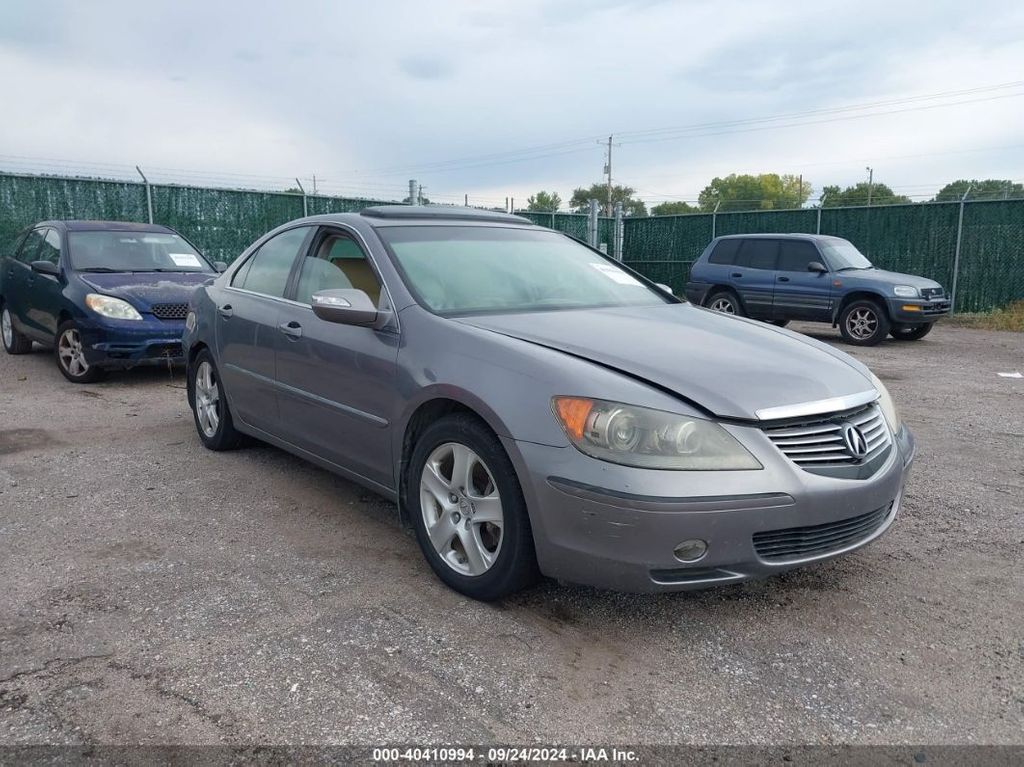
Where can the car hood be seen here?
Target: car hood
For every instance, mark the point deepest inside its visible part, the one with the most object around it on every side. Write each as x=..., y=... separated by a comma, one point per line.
x=143, y=289
x=888, y=278
x=729, y=366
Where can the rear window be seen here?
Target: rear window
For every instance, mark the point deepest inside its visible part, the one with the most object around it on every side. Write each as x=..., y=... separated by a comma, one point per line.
x=758, y=253
x=724, y=252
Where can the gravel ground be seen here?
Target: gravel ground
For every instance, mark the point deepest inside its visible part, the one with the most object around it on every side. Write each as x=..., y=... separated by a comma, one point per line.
x=155, y=592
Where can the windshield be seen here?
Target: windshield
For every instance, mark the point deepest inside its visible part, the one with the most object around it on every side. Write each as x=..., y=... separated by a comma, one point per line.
x=462, y=269
x=843, y=255
x=113, y=251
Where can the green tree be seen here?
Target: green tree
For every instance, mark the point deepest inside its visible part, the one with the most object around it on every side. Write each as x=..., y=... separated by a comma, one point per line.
x=672, y=208
x=544, y=201
x=631, y=206
x=858, y=195
x=766, y=191
x=988, y=189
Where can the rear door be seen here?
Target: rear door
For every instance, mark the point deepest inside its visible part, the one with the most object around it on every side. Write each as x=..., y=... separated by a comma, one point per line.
x=247, y=320
x=799, y=292
x=753, y=275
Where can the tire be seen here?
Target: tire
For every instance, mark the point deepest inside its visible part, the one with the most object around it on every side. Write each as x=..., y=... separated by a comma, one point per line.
x=780, y=323
x=14, y=342
x=209, y=405
x=863, y=323
x=726, y=302
x=911, y=332
x=70, y=357
x=485, y=559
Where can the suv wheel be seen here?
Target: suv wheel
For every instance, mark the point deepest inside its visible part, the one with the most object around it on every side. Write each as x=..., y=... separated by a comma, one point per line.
x=70, y=353
x=210, y=406
x=14, y=342
x=468, y=510
x=725, y=302
x=863, y=323
x=911, y=332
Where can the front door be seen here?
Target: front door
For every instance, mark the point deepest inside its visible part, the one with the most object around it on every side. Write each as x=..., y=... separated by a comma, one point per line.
x=337, y=382
x=17, y=282
x=44, y=290
x=801, y=294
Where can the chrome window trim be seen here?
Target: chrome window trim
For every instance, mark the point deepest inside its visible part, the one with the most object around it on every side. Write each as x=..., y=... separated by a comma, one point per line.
x=816, y=407
x=243, y=291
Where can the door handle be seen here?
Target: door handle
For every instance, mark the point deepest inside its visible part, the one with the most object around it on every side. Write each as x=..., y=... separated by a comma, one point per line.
x=225, y=311
x=783, y=279
x=737, y=274
x=291, y=329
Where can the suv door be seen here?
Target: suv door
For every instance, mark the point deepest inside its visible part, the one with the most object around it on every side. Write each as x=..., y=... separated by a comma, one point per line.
x=753, y=275
x=246, y=327
x=44, y=292
x=338, y=382
x=799, y=292
x=16, y=282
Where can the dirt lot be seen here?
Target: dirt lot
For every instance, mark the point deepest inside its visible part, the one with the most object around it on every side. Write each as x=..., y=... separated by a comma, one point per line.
x=154, y=592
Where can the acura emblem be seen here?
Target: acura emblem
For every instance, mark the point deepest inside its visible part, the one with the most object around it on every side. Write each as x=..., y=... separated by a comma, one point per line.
x=853, y=438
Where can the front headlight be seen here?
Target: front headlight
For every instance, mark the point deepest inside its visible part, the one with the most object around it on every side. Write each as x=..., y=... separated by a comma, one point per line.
x=114, y=308
x=649, y=439
x=885, y=402
x=906, y=291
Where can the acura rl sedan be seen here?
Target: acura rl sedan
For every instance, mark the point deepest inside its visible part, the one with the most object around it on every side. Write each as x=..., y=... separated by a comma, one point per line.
x=534, y=407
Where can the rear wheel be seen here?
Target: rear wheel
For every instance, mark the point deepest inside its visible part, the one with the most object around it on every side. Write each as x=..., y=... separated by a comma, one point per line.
x=863, y=323
x=468, y=510
x=14, y=342
x=725, y=302
x=911, y=332
x=210, y=406
x=70, y=353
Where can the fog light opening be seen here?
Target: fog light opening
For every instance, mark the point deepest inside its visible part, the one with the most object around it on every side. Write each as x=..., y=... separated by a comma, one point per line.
x=692, y=550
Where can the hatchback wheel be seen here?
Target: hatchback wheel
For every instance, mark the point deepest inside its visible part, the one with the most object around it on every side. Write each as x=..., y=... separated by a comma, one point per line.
x=468, y=510
x=725, y=302
x=911, y=332
x=71, y=356
x=14, y=342
x=210, y=406
x=863, y=323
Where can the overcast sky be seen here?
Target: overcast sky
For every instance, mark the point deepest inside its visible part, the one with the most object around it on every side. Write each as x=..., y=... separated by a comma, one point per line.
x=368, y=95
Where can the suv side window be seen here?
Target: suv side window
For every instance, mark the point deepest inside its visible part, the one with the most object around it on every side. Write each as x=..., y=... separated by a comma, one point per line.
x=49, y=249
x=795, y=255
x=758, y=253
x=267, y=270
x=30, y=246
x=338, y=263
x=725, y=252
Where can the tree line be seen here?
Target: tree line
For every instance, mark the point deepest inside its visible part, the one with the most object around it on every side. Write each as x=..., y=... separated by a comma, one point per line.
x=769, y=191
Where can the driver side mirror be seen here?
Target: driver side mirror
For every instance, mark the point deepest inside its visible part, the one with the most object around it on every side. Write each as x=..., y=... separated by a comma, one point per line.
x=664, y=287
x=347, y=306
x=46, y=267
x=220, y=266
x=817, y=266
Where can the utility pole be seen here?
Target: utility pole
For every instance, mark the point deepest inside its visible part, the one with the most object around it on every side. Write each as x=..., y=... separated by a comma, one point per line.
x=800, y=197
x=314, y=185
x=871, y=181
x=608, y=170
x=466, y=200
x=419, y=194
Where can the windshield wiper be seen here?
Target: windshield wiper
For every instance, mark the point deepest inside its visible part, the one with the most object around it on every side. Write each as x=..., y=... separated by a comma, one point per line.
x=101, y=269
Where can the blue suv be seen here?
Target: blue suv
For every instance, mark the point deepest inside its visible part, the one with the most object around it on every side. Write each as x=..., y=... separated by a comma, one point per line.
x=103, y=294
x=783, y=277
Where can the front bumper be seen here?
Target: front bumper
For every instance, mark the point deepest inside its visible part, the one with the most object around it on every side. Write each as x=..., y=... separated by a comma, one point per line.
x=123, y=343
x=914, y=311
x=616, y=527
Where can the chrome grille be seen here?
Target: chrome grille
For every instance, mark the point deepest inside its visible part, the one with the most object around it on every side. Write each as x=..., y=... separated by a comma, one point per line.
x=817, y=441
x=169, y=311
x=818, y=540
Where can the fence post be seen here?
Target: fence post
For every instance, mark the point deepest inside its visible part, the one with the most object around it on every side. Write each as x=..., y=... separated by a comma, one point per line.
x=821, y=204
x=552, y=218
x=617, y=235
x=149, y=193
x=592, y=224
x=714, y=220
x=305, y=206
x=956, y=253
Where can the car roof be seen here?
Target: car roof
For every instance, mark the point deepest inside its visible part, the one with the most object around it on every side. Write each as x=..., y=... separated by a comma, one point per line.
x=778, y=236
x=106, y=226
x=381, y=214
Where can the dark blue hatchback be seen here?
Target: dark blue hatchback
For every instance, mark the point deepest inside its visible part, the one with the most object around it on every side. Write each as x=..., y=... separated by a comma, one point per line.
x=103, y=294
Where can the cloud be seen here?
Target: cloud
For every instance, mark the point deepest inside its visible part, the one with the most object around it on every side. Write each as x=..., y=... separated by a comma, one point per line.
x=426, y=67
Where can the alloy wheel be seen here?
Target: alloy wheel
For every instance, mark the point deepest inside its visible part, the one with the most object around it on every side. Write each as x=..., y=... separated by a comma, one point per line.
x=70, y=353
x=862, y=323
x=207, y=396
x=723, y=305
x=461, y=508
x=7, y=328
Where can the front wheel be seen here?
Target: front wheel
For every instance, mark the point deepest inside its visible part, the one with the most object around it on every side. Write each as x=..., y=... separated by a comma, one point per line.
x=911, y=332
x=14, y=342
x=70, y=352
x=468, y=510
x=863, y=323
x=725, y=302
x=210, y=406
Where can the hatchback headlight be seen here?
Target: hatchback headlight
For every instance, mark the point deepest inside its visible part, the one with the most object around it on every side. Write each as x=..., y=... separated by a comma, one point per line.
x=888, y=406
x=649, y=439
x=906, y=291
x=114, y=308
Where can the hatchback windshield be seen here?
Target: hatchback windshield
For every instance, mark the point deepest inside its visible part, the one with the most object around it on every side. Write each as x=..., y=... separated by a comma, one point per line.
x=460, y=269
x=843, y=255
x=113, y=251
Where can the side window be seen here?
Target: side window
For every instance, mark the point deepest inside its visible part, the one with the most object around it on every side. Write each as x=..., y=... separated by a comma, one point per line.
x=30, y=246
x=338, y=263
x=725, y=252
x=49, y=249
x=758, y=253
x=795, y=255
x=267, y=270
